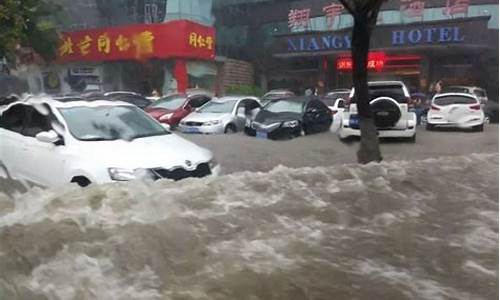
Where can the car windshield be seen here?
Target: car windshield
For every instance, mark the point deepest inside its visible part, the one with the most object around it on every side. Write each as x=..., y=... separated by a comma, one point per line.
x=285, y=106
x=170, y=102
x=107, y=123
x=448, y=100
x=218, y=107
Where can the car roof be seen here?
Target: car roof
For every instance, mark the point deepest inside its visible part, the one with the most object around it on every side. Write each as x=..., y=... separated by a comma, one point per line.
x=298, y=99
x=394, y=82
x=235, y=98
x=56, y=103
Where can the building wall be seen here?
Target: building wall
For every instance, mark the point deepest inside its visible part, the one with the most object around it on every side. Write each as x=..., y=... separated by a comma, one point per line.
x=236, y=72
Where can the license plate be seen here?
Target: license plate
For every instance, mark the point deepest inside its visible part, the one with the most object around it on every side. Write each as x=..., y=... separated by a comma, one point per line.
x=354, y=121
x=261, y=135
x=192, y=130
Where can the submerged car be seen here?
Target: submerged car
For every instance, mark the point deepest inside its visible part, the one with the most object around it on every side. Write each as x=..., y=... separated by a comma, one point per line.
x=86, y=142
x=221, y=115
x=276, y=94
x=336, y=105
x=459, y=110
x=389, y=103
x=173, y=108
x=288, y=118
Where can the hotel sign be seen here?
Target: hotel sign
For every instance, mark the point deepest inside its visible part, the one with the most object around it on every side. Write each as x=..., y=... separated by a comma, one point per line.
x=472, y=31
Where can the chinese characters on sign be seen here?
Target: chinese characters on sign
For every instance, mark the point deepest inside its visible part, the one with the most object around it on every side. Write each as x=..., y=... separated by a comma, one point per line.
x=454, y=7
x=412, y=8
x=299, y=18
x=374, y=63
x=143, y=43
x=331, y=12
x=200, y=41
x=174, y=39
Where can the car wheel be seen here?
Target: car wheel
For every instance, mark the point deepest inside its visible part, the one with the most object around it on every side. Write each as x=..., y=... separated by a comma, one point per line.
x=429, y=126
x=230, y=129
x=81, y=181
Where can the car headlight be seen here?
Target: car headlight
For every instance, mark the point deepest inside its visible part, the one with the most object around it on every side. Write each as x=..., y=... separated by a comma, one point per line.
x=214, y=122
x=291, y=124
x=166, y=117
x=119, y=174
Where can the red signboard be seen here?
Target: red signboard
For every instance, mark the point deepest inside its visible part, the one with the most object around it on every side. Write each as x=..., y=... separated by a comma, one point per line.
x=376, y=61
x=175, y=39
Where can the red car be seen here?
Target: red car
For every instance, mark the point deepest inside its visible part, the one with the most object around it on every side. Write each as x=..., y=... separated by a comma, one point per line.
x=173, y=108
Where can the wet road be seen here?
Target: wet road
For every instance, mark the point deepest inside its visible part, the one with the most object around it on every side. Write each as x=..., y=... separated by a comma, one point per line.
x=242, y=153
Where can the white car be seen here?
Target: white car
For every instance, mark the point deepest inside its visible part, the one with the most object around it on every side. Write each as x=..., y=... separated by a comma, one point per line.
x=51, y=143
x=389, y=104
x=459, y=110
x=221, y=115
x=336, y=106
x=480, y=93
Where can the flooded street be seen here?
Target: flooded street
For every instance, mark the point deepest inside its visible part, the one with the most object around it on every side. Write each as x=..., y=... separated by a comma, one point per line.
x=425, y=229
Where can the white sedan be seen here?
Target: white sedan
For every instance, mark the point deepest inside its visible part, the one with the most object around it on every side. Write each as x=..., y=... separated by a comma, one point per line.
x=336, y=106
x=455, y=110
x=51, y=143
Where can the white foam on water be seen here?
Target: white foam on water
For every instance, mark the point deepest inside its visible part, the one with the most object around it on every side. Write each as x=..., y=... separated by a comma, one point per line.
x=79, y=276
x=191, y=238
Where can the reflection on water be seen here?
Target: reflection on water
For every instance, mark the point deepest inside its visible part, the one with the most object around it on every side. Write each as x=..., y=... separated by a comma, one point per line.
x=399, y=230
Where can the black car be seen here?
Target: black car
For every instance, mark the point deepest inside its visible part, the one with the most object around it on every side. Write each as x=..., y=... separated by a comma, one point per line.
x=288, y=118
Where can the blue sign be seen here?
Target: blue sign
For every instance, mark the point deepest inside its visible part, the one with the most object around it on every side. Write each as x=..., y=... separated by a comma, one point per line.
x=321, y=43
x=427, y=36
x=400, y=37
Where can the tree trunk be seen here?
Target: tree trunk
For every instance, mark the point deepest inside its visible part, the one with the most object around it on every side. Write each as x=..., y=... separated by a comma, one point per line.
x=369, y=147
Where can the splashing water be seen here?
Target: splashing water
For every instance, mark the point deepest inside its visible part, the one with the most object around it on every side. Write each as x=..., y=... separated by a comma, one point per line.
x=398, y=230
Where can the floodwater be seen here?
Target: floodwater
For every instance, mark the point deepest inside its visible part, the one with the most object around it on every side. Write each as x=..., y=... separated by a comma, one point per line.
x=423, y=229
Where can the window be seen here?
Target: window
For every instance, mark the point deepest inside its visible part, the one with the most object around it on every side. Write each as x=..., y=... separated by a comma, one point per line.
x=37, y=123
x=480, y=93
x=13, y=119
x=198, y=101
x=448, y=100
x=341, y=104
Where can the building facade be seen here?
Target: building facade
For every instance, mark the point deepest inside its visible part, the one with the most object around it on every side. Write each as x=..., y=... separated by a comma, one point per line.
x=294, y=44
x=140, y=45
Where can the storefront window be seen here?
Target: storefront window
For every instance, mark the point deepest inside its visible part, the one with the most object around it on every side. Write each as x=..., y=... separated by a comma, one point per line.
x=195, y=10
x=202, y=74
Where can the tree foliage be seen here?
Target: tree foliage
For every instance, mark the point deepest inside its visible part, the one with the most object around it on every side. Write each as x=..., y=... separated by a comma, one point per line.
x=28, y=23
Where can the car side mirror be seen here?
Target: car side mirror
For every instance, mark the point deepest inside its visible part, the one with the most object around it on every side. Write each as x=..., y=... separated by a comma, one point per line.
x=49, y=137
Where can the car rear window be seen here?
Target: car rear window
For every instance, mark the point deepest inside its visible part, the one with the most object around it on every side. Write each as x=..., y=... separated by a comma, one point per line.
x=392, y=91
x=448, y=100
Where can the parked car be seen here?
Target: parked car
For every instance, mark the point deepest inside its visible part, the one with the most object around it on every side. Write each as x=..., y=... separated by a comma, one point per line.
x=173, y=108
x=52, y=143
x=339, y=93
x=128, y=97
x=276, y=94
x=288, y=118
x=389, y=103
x=221, y=115
x=473, y=90
x=336, y=106
x=490, y=112
x=459, y=110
